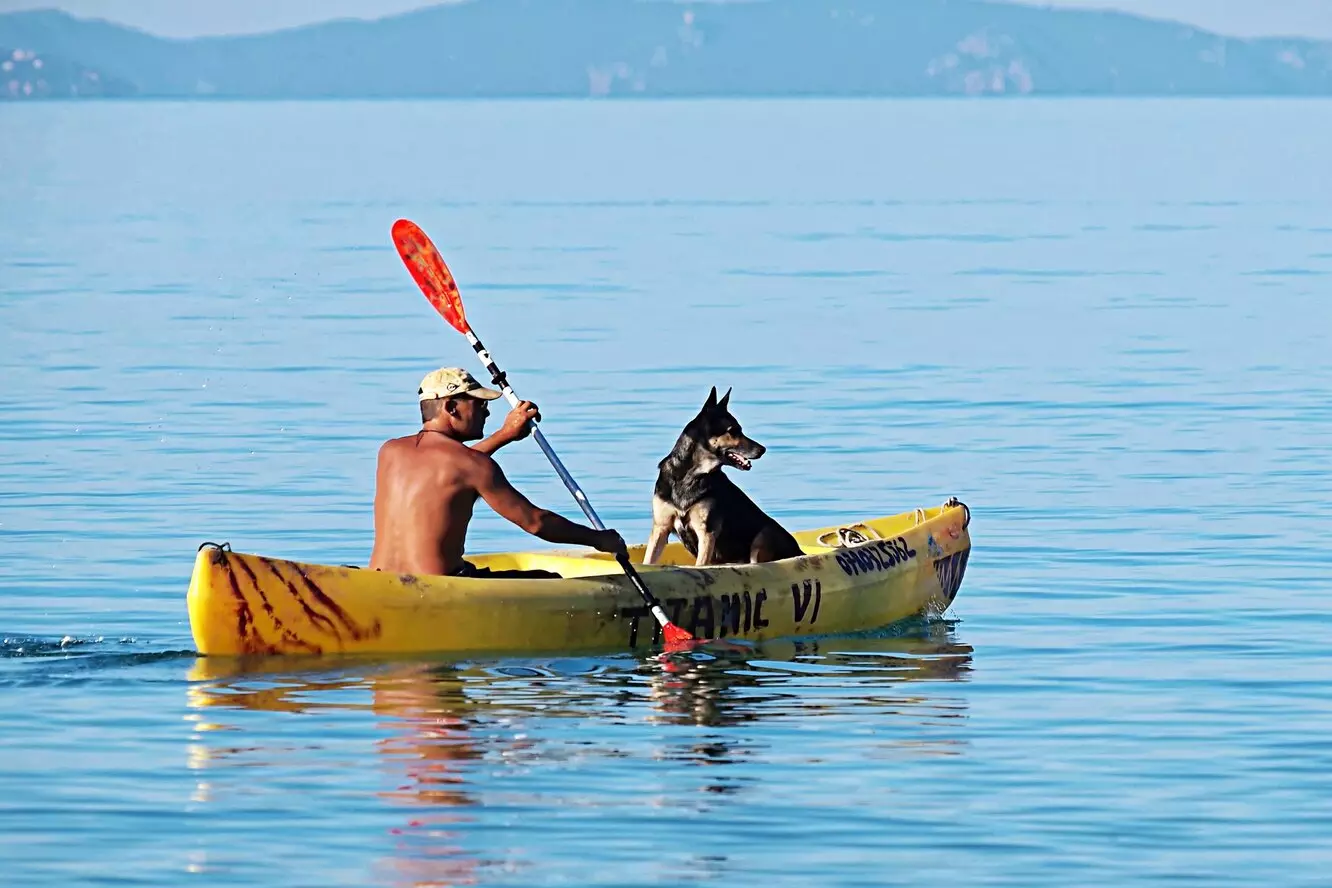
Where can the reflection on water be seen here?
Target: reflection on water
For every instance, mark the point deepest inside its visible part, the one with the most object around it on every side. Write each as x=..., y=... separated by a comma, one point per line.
x=454, y=740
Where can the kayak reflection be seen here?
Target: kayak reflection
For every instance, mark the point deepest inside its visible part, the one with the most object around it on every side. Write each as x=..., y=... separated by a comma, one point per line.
x=713, y=687
x=454, y=740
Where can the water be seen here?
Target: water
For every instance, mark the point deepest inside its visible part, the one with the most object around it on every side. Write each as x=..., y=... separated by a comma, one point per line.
x=1101, y=324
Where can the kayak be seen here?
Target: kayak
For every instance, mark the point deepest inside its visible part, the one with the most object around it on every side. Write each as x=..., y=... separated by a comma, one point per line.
x=851, y=578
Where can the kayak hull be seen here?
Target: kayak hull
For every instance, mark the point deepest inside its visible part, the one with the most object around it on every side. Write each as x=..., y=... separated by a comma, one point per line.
x=247, y=604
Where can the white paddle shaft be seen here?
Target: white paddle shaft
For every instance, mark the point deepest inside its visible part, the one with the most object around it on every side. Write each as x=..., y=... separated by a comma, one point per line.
x=509, y=395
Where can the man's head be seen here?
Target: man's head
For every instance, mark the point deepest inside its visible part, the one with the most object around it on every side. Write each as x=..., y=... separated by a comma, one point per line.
x=720, y=435
x=453, y=401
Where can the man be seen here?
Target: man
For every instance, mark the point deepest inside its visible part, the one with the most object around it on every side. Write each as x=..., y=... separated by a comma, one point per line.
x=427, y=483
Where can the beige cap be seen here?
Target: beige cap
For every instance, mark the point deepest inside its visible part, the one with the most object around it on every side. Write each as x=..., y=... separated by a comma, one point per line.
x=450, y=382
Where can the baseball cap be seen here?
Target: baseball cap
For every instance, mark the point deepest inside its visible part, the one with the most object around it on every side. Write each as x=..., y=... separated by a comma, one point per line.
x=450, y=382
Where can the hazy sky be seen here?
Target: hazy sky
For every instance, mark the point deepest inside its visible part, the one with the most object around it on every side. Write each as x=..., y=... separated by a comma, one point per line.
x=187, y=18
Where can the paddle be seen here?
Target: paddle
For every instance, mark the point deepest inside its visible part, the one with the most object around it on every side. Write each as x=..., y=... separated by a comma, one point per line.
x=436, y=282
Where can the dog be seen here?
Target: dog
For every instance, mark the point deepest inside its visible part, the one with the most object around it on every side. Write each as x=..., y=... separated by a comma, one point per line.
x=714, y=519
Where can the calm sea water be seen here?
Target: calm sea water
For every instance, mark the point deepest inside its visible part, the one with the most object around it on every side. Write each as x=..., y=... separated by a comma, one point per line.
x=1104, y=325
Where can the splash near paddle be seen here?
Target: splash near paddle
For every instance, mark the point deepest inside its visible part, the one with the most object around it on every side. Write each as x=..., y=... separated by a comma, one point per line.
x=427, y=268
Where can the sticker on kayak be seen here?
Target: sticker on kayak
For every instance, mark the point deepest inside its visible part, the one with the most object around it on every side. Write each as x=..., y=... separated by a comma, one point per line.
x=876, y=556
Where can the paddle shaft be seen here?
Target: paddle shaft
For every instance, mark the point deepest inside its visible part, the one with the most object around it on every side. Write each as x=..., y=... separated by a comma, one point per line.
x=498, y=377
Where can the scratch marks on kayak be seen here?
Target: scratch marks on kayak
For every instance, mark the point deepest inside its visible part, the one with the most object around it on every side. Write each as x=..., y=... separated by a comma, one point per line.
x=342, y=616
x=704, y=578
x=289, y=637
x=251, y=641
x=323, y=620
x=244, y=618
x=328, y=618
x=315, y=618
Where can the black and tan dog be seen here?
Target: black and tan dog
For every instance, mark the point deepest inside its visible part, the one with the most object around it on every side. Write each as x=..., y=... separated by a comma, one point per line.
x=714, y=519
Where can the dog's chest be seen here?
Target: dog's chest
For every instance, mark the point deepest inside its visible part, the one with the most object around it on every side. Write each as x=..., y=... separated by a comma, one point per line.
x=685, y=493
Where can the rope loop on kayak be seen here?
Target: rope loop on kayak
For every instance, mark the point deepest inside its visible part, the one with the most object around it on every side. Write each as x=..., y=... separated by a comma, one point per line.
x=953, y=503
x=853, y=535
x=224, y=547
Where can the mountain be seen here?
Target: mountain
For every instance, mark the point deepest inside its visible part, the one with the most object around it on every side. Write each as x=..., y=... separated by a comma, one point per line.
x=26, y=74
x=503, y=48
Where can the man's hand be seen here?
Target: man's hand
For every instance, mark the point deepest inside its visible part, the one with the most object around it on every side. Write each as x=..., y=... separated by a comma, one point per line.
x=518, y=424
x=610, y=541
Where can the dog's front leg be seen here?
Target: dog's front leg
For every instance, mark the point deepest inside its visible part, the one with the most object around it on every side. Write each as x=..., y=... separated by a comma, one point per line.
x=663, y=520
x=707, y=537
x=707, y=548
x=656, y=543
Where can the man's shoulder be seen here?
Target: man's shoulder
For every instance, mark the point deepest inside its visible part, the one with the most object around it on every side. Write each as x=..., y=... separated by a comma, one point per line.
x=416, y=446
x=395, y=444
x=432, y=446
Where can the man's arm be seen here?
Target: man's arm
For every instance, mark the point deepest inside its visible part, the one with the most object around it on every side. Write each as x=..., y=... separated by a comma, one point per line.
x=501, y=496
x=517, y=425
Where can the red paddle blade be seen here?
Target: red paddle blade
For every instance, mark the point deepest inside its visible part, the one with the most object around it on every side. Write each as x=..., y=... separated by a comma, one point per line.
x=677, y=638
x=430, y=273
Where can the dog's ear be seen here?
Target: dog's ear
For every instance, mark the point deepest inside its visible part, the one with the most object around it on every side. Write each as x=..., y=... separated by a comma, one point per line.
x=711, y=402
x=726, y=399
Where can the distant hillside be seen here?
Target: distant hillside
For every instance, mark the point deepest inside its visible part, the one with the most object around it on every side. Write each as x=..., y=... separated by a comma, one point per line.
x=27, y=74
x=494, y=48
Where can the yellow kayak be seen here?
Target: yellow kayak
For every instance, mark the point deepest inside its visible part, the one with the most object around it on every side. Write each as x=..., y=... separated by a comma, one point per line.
x=851, y=578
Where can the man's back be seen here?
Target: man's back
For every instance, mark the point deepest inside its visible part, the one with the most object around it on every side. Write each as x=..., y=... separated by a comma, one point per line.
x=424, y=494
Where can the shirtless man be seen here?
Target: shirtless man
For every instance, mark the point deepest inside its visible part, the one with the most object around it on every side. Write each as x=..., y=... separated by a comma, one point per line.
x=427, y=483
